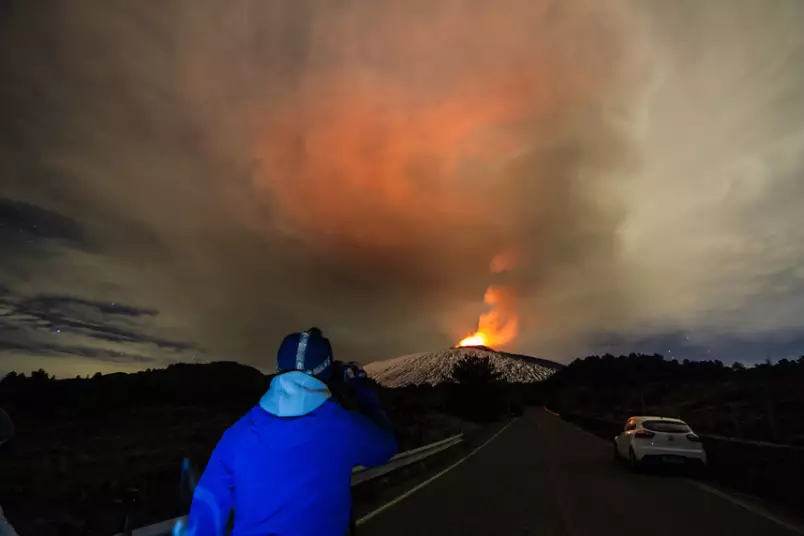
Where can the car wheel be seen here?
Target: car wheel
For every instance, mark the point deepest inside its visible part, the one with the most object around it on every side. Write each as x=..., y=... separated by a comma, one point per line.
x=633, y=462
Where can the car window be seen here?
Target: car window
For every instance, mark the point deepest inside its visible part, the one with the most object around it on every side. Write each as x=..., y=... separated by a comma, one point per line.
x=668, y=427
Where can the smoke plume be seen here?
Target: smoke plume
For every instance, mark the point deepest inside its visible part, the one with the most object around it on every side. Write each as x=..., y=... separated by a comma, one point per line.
x=250, y=168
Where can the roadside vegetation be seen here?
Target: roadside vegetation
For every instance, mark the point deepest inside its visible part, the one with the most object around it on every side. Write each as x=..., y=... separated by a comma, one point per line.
x=748, y=417
x=764, y=402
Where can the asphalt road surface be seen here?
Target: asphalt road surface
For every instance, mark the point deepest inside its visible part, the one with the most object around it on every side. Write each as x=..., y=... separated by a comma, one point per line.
x=544, y=476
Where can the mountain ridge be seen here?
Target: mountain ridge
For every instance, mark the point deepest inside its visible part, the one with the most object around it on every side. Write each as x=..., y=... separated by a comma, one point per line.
x=436, y=367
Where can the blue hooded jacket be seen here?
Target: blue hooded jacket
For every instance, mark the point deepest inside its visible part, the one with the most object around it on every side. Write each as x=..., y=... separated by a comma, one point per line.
x=285, y=467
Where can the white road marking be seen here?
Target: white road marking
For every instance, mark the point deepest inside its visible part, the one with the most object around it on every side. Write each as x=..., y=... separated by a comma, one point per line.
x=432, y=478
x=553, y=413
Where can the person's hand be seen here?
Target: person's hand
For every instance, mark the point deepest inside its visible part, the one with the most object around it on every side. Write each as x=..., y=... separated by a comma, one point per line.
x=352, y=371
x=356, y=381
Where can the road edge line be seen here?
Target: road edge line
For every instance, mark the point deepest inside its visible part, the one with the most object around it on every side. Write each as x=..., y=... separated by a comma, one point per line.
x=551, y=412
x=416, y=488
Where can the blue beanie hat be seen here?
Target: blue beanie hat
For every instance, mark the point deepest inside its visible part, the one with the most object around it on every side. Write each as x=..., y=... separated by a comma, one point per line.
x=309, y=352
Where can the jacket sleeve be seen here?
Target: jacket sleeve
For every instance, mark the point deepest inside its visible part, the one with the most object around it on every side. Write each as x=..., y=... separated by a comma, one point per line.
x=213, y=497
x=371, y=433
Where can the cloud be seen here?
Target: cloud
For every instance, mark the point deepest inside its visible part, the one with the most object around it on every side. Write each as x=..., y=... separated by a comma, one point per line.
x=52, y=306
x=713, y=239
x=68, y=326
x=97, y=354
x=25, y=223
x=358, y=165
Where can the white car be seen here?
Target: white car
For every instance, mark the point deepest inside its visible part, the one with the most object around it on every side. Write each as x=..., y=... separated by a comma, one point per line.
x=658, y=440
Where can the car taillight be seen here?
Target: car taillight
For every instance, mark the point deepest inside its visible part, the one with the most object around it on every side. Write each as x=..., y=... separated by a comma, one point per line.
x=694, y=438
x=644, y=434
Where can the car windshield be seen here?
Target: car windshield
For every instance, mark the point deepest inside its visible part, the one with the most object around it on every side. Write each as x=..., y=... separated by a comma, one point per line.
x=668, y=427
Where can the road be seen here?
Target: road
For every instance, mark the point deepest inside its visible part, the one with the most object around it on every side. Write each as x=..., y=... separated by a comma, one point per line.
x=544, y=476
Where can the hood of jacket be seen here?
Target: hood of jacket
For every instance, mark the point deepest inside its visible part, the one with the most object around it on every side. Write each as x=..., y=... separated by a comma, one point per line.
x=293, y=394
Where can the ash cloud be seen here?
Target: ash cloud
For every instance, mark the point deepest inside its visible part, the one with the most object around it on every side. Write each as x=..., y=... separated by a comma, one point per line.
x=252, y=168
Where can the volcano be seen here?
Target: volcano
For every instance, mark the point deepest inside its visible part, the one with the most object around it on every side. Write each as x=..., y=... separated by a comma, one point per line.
x=436, y=367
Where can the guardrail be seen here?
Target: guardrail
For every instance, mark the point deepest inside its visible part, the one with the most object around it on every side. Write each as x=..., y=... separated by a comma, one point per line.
x=612, y=428
x=363, y=474
x=359, y=475
x=752, y=442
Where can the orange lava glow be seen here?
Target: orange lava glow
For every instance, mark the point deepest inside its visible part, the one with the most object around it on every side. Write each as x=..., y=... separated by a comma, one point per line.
x=500, y=325
x=478, y=339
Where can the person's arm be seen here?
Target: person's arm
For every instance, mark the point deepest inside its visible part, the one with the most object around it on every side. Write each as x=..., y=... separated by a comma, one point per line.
x=369, y=404
x=372, y=434
x=213, y=497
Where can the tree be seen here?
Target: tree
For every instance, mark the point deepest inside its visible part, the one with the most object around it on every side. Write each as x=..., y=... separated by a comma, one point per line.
x=476, y=393
x=11, y=377
x=472, y=370
x=40, y=375
x=6, y=427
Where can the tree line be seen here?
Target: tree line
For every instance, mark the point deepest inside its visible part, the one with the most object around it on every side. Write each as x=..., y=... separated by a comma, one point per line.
x=761, y=402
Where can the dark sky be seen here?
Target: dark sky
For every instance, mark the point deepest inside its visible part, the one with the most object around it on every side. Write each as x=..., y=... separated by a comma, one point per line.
x=188, y=180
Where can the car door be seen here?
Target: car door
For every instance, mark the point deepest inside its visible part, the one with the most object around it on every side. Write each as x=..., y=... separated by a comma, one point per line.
x=624, y=439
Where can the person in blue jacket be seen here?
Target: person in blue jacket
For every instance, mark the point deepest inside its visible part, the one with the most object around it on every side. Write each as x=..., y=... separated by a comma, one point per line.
x=285, y=467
